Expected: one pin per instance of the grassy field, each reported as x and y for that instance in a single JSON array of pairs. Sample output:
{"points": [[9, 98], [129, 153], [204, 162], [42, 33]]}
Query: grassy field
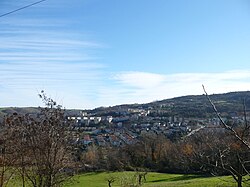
{"points": [[153, 180]]}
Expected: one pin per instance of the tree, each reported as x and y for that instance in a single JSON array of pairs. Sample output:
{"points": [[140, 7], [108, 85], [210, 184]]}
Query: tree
{"points": [[224, 149], [110, 180], [8, 154], [153, 147], [218, 152], [45, 145], [141, 176]]}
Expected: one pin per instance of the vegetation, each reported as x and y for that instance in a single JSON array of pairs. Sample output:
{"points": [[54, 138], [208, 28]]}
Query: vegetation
{"points": [[41, 150], [37, 149], [152, 180]]}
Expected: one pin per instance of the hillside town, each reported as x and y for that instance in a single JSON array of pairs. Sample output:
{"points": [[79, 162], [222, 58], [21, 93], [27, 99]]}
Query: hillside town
{"points": [[128, 125]]}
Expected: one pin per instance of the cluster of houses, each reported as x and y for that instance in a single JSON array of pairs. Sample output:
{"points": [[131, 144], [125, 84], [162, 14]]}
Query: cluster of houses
{"points": [[106, 137], [127, 127]]}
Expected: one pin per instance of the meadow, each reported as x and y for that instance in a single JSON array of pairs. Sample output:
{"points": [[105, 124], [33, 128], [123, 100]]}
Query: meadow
{"points": [[152, 180]]}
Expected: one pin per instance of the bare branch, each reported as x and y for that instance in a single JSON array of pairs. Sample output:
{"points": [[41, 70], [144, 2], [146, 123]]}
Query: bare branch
{"points": [[227, 127]]}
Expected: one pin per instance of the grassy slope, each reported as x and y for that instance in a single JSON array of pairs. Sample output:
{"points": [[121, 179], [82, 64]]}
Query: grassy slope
{"points": [[153, 180]]}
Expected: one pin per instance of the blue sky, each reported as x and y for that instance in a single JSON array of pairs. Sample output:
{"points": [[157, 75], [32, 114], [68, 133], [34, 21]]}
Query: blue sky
{"points": [[91, 53]]}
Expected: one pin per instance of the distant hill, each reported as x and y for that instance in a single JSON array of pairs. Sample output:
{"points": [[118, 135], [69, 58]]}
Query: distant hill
{"points": [[29, 110], [192, 106], [196, 106], [11, 110]]}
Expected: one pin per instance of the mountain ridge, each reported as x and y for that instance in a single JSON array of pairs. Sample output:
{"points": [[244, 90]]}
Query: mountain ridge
{"points": [[185, 106]]}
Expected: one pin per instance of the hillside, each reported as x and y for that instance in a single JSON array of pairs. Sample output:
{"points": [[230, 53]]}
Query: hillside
{"points": [[186, 106], [194, 106], [198, 106], [29, 110]]}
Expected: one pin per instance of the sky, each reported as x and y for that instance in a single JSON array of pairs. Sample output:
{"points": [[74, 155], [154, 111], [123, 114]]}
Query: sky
{"points": [[91, 53]]}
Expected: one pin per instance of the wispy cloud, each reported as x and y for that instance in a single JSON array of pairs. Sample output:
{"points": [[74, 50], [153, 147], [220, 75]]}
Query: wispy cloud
{"points": [[44, 54], [26, 79], [141, 87], [139, 79], [44, 44]]}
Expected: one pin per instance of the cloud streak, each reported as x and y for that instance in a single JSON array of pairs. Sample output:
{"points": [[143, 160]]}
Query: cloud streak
{"points": [[44, 45], [24, 80], [142, 87], [44, 54]]}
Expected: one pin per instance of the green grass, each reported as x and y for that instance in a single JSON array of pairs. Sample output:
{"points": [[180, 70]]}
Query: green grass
{"points": [[99, 179], [153, 180]]}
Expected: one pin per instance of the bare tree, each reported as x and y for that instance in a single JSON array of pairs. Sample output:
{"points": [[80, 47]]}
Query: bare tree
{"points": [[45, 145], [153, 147], [141, 176], [225, 149], [241, 135], [110, 180], [8, 155]]}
